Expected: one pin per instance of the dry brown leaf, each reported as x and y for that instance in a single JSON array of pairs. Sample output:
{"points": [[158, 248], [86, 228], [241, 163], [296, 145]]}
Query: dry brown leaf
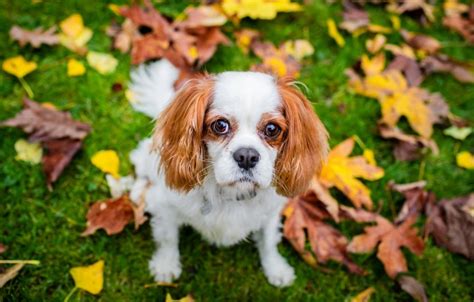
{"points": [[123, 35], [410, 69], [59, 134], [304, 222], [375, 45], [462, 25], [354, 17], [10, 273], [112, 216], [35, 37], [3, 248], [422, 42], [413, 287], [416, 199], [463, 72], [451, 223], [420, 10], [245, 37], [275, 60], [391, 238]]}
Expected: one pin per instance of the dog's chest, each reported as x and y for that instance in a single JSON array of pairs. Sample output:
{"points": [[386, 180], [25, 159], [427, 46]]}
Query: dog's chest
{"points": [[228, 223]]}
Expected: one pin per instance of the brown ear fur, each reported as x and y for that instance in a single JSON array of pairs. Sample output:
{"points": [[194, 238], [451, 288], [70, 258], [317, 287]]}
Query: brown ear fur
{"points": [[179, 132], [305, 147]]}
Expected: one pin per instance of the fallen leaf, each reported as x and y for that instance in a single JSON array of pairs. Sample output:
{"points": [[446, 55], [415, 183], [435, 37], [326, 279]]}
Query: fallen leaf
{"points": [[422, 42], [275, 60], [18, 66], [465, 160], [89, 278], [75, 68], [3, 248], [354, 17], [364, 296], [391, 238], [458, 133], [304, 222], [75, 35], [245, 37], [204, 15], [453, 8], [451, 222], [420, 9], [113, 215], [413, 287], [188, 298], [342, 171], [258, 9], [59, 134], [29, 152], [463, 72], [10, 273], [416, 199], [334, 33], [35, 37], [409, 67], [102, 62], [298, 49], [107, 161], [123, 35], [462, 25], [375, 45]]}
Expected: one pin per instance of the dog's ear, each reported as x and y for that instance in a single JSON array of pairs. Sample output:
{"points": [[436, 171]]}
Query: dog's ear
{"points": [[178, 135], [305, 146]]}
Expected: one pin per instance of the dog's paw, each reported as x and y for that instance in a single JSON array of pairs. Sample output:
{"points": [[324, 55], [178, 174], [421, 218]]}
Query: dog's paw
{"points": [[165, 267], [278, 272]]}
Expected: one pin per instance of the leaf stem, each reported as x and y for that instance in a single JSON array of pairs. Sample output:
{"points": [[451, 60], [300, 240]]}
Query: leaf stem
{"points": [[70, 294], [26, 87], [421, 173], [33, 262]]}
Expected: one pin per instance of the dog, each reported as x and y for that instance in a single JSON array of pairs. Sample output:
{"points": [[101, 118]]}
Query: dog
{"points": [[226, 153]]}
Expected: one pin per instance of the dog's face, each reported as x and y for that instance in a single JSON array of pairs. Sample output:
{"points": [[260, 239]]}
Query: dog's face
{"points": [[245, 129]]}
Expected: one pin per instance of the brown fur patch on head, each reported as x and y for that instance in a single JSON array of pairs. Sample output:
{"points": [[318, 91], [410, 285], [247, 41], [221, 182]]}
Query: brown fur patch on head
{"points": [[178, 135], [305, 146]]}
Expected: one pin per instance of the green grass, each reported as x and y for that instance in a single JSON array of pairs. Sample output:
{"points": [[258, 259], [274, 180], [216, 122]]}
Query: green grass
{"points": [[43, 225]]}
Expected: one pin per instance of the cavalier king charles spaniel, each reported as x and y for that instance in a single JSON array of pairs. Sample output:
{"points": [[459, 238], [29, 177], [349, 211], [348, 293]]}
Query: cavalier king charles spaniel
{"points": [[229, 150]]}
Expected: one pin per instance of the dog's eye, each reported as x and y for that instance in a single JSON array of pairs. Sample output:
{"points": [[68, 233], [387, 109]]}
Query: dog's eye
{"points": [[272, 130], [220, 127]]}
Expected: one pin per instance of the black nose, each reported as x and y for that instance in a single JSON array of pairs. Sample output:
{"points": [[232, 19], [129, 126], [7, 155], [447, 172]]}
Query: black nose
{"points": [[246, 158]]}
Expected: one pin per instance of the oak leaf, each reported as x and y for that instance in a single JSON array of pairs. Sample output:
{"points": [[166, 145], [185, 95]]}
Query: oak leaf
{"points": [[342, 172], [391, 238], [35, 37]]}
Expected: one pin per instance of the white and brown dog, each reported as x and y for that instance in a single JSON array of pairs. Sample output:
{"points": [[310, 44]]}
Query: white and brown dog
{"points": [[229, 149]]}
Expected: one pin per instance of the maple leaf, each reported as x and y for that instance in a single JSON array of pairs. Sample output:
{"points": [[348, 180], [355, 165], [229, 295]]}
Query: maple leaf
{"points": [[113, 215], [451, 222], [416, 199], [35, 37], [89, 278], [341, 171], [304, 222], [258, 9], [275, 60], [462, 25], [463, 72], [391, 238], [59, 134]]}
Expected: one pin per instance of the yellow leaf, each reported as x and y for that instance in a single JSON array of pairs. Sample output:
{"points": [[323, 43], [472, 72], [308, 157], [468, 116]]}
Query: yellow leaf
{"points": [[298, 49], [74, 34], [75, 68], [341, 171], [395, 22], [334, 33], [453, 7], [378, 29], [277, 65], [369, 156], [403, 50], [102, 62], [18, 66], [374, 65], [258, 9], [89, 278], [29, 152], [107, 161], [465, 160], [375, 44], [364, 296], [114, 8], [188, 298], [130, 96]]}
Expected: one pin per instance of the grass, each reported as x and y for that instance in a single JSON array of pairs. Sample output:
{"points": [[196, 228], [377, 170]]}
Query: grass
{"points": [[43, 225]]}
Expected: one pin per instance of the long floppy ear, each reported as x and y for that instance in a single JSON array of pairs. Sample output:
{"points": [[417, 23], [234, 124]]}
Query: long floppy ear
{"points": [[306, 143], [178, 135]]}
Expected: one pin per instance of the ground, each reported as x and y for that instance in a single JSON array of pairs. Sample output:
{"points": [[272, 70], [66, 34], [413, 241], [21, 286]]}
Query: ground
{"points": [[43, 225]]}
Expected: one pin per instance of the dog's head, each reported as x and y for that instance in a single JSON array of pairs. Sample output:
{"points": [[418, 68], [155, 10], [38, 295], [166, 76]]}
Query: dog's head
{"points": [[247, 130]]}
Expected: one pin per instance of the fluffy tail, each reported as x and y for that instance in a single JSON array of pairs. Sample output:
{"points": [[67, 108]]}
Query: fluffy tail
{"points": [[152, 86]]}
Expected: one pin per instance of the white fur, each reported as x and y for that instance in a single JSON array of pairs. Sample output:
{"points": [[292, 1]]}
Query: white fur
{"points": [[153, 87], [223, 210]]}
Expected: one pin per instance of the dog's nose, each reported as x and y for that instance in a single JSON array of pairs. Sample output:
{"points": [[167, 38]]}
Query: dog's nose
{"points": [[246, 158]]}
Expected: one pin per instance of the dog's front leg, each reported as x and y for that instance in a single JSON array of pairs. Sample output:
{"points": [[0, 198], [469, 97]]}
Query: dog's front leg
{"points": [[165, 265], [275, 267]]}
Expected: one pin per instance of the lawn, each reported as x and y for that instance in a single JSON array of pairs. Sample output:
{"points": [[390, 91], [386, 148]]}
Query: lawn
{"points": [[38, 224]]}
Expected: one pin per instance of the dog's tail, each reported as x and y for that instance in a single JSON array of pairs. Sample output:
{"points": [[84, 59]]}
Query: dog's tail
{"points": [[152, 87]]}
